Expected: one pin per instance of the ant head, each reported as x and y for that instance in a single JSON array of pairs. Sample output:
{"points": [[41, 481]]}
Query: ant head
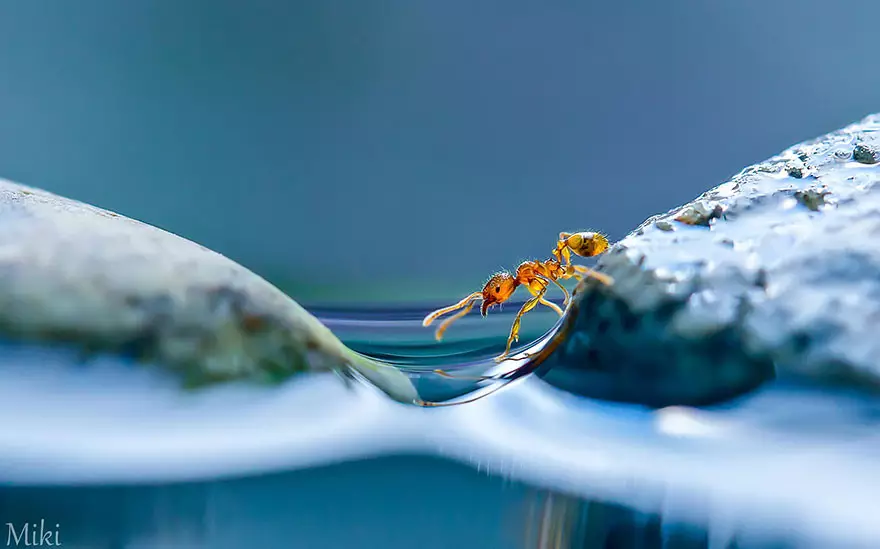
{"points": [[587, 244], [498, 289]]}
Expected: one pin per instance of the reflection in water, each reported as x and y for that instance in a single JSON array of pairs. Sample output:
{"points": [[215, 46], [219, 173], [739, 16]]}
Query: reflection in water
{"points": [[396, 336], [558, 521], [386, 503]]}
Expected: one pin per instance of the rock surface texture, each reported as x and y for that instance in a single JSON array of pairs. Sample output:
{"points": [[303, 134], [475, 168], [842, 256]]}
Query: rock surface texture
{"points": [[774, 274], [78, 275]]}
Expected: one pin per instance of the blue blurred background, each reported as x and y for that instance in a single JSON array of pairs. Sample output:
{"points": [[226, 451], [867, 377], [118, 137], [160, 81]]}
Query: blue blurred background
{"points": [[399, 150]]}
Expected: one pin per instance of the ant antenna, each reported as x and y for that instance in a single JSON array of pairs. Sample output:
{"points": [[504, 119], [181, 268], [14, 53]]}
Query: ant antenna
{"points": [[467, 304]]}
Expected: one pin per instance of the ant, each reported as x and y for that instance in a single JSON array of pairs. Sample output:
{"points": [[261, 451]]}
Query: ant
{"points": [[536, 276]]}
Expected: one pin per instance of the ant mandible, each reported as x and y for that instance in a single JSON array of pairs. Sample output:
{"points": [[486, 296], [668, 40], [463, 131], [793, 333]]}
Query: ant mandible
{"points": [[536, 276]]}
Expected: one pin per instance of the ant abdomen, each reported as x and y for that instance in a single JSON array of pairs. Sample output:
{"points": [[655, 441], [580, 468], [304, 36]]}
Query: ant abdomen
{"points": [[585, 244]]}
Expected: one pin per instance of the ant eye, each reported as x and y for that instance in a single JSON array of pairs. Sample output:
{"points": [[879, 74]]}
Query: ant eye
{"points": [[497, 289]]}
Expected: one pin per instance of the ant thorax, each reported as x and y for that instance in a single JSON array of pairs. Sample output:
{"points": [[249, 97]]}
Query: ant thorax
{"points": [[528, 271]]}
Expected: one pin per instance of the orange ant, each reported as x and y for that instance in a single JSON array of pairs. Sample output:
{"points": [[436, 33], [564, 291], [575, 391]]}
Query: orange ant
{"points": [[536, 276]]}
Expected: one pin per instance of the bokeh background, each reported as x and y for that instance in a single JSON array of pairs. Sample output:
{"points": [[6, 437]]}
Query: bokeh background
{"points": [[397, 150]]}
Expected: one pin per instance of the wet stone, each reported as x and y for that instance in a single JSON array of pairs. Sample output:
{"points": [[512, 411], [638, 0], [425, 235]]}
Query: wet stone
{"points": [[78, 276], [793, 293]]}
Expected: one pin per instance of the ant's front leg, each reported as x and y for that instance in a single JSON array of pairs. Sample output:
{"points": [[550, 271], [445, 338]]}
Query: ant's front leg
{"points": [[514, 330]]}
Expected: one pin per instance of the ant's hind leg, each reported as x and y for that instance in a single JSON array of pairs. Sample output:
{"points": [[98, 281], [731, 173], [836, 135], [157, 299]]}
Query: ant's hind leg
{"points": [[561, 287], [562, 252], [552, 305], [514, 330], [585, 271]]}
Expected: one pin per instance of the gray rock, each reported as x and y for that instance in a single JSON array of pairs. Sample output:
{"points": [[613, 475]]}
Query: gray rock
{"points": [[76, 275], [773, 274]]}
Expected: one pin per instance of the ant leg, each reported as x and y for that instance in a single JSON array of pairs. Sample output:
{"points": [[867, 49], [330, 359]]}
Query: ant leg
{"points": [[467, 302], [562, 251], [552, 305], [514, 330], [561, 287], [601, 277]]}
